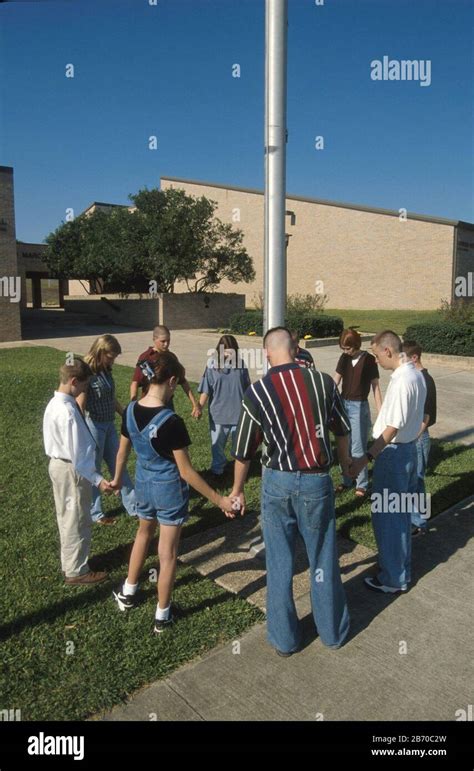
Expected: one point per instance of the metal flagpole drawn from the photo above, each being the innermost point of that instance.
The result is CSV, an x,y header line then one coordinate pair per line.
x,y
276,23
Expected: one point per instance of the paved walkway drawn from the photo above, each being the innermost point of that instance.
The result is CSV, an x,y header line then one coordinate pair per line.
x,y
371,677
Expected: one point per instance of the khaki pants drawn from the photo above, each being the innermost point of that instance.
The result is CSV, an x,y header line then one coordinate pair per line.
x,y
72,498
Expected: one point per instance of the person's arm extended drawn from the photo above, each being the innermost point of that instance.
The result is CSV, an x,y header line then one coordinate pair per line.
x,y
337,378
241,470
195,480
203,399
375,383
121,461
196,411
118,408
357,464
342,444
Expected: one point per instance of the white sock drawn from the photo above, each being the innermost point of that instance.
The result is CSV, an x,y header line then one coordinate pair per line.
x,y
162,614
129,588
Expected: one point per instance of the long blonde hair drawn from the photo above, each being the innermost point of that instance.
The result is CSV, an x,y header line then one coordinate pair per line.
x,y
103,344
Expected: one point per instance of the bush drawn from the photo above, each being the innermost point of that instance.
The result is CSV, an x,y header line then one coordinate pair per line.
x,y
456,339
318,325
306,304
458,312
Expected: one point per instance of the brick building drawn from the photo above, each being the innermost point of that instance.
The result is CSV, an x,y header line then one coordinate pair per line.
x,y
366,258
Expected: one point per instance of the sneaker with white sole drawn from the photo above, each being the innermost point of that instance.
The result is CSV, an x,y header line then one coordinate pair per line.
x,y
372,582
124,601
162,625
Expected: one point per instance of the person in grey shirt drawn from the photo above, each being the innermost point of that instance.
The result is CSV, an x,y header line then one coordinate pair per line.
x,y
223,384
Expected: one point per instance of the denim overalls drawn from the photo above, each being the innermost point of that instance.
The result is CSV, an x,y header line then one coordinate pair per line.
x,y
159,490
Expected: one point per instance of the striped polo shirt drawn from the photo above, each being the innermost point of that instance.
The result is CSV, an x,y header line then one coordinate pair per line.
x,y
291,410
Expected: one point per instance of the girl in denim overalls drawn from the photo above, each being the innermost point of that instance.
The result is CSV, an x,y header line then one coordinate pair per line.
x,y
161,481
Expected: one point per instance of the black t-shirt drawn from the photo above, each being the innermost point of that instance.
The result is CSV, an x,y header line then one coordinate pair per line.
x,y
430,401
172,435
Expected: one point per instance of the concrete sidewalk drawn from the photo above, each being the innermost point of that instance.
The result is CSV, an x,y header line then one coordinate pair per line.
x,y
371,677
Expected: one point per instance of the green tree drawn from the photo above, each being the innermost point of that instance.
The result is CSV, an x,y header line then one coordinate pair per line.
x,y
169,237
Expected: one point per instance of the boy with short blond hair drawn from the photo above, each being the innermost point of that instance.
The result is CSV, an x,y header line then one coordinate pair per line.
x,y
71,449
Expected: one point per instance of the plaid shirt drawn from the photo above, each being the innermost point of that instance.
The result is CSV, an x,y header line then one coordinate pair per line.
x,y
291,409
100,403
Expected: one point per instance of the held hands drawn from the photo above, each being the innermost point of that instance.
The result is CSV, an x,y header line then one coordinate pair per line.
x,y
110,487
356,465
197,412
233,505
115,486
346,466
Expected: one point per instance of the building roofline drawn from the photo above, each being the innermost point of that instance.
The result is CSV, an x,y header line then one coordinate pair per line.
x,y
102,203
7,169
323,202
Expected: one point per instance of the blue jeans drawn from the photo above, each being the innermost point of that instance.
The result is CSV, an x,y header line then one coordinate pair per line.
x,y
422,445
394,472
293,502
107,442
359,418
219,436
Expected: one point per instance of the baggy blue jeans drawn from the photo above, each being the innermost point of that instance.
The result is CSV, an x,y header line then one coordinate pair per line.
x,y
107,443
294,502
219,434
394,472
422,445
359,418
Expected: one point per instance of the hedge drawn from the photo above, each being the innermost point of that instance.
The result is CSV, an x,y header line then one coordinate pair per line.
x,y
455,339
319,325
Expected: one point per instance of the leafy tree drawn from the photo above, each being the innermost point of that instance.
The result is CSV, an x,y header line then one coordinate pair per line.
x,y
169,237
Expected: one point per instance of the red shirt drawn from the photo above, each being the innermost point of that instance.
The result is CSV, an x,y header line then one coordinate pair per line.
x,y
138,376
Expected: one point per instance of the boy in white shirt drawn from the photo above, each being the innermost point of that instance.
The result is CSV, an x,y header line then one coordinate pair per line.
x,y
71,448
394,483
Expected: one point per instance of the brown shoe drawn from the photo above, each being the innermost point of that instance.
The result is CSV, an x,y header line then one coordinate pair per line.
x,y
106,521
88,578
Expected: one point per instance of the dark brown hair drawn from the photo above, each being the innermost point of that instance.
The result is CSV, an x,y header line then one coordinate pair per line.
x,y
411,348
165,365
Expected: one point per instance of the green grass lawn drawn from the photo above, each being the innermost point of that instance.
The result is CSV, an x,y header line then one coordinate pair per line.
x,y
375,321
112,654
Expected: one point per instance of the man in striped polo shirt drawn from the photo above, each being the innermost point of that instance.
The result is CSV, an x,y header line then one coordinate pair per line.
x,y
291,411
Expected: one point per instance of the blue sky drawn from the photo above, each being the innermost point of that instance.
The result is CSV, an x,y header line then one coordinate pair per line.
x,y
166,70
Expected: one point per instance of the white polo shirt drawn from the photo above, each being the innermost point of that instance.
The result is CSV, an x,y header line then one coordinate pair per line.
x,y
403,405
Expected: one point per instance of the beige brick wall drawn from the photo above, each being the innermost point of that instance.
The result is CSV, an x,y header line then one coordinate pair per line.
x,y
10,323
364,259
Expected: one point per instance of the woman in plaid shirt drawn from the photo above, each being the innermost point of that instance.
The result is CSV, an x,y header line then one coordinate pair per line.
x,y
100,405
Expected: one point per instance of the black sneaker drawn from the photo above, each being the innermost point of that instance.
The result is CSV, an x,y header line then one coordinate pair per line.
x,y
160,626
124,601
372,582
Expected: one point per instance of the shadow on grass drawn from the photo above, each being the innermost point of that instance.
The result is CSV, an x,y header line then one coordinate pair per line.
x,y
82,597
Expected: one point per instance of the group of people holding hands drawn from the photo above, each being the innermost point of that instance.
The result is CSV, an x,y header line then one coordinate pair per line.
x,y
289,413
